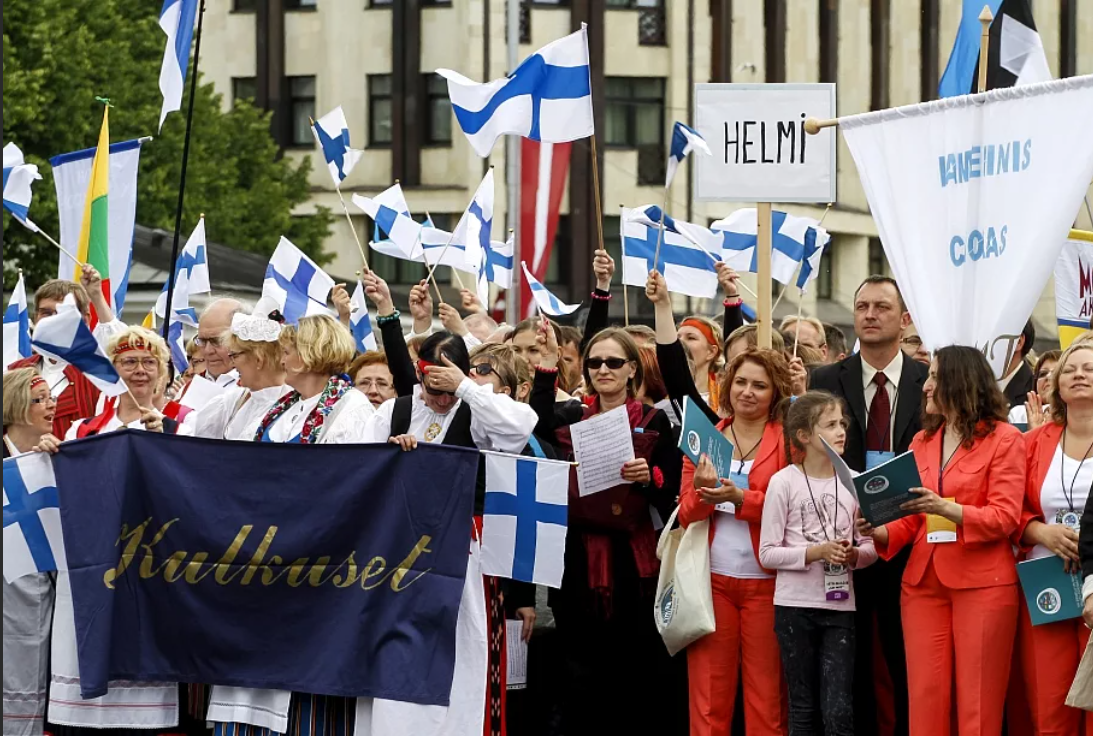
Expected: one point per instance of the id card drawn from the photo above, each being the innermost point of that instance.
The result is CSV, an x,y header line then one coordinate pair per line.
x,y
940,530
740,480
1070,519
836,582
873,458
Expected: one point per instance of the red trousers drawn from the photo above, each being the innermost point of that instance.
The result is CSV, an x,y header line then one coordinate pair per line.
x,y
1049,658
966,632
743,642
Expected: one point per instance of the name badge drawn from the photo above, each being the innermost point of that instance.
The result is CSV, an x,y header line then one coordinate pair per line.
x,y
740,480
1069,519
940,530
836,582
873,458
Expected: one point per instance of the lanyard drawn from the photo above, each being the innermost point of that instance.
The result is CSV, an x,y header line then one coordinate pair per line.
x,y
819,516
744,457
944,464
1062,478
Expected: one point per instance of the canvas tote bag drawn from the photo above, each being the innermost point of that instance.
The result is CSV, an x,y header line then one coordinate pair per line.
x,y
683,606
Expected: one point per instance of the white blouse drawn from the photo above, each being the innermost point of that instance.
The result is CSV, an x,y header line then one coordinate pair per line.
x,y
731,552
236,413
1053,497
345,425
498,422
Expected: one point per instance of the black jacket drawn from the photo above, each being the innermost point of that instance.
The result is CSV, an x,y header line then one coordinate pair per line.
x,y
1017,389
845,379
1085,538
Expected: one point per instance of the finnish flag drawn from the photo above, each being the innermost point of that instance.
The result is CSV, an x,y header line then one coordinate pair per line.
x,y
410,240
548,98
547,302
475,226
66,338
688,268
525,519
191,277
816,242
332,134
685,139
496,267
176,18
17,325
360,324
295,283
393,198
32,517
18,177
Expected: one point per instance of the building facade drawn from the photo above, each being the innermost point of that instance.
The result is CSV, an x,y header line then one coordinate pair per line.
x,y
376,58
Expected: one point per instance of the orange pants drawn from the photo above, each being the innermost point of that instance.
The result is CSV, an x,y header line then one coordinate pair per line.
x,y
744,641
968,632
1049,658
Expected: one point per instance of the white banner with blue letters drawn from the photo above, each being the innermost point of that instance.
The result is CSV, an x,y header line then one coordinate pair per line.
x,y
973,197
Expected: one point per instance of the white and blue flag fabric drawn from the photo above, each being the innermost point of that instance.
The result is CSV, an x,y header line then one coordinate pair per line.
x,y
176,18
685,140
688,268
548,303
411,240
191,277
296,283
18,178
548,98
525,519
816,242
360,324
475,226
66,338
33,541
332,134
17,325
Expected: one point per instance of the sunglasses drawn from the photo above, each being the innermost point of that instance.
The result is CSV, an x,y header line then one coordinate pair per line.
x,y
594,364
483,369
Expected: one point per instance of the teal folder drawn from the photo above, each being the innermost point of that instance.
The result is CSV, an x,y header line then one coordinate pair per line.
x,y
1052,593
698,437
882,490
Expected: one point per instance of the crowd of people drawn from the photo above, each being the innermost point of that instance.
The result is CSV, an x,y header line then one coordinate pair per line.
x,y
824,624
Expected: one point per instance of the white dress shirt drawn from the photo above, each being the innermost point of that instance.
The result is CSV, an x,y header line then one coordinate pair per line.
x,y
893,372
236,413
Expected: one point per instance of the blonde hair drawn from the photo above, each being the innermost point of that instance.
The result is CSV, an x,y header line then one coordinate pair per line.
x,y
502,358
267,353
750,334
58,289
1058,406
792,319
17,395
324,344
153,343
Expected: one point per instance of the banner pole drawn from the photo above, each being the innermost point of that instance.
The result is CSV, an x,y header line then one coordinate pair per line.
x,y
599,206
352,229
985,18
764,312
660,232
625,290
169,308
425,258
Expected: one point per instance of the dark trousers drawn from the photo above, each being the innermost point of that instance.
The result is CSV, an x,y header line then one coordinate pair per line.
x,y
818,661
877,591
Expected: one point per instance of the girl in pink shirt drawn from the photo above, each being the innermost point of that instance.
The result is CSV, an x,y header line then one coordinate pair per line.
x,y
808,536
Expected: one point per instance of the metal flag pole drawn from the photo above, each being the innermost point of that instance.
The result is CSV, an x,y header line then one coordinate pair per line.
x,y
182,178
513,146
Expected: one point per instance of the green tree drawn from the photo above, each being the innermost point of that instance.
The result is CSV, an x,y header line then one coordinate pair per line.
x,y
60,54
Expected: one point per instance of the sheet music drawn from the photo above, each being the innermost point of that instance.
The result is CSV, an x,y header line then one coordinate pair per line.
x,y
518,655
602,445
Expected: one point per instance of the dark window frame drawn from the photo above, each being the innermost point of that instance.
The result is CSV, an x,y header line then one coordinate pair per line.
x,y
373,98
880,36
1068,38
825,279
292,101
244,6
298,6
429,136
829,41
774,44
236,82
929,49
877,260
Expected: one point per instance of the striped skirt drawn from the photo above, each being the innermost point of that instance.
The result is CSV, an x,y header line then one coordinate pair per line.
x,y
308,715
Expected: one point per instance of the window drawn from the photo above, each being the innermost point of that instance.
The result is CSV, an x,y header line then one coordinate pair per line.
x,y
556,273
301,4
878,264
829,40
928,43
244,6
302,109
880,35
438,120
244,88
379,110
825,288
635,119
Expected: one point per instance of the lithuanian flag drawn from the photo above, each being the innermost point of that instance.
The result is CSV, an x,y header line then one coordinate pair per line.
x,y
94,247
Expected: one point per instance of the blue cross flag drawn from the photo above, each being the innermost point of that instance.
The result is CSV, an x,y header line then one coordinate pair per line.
x,y
66,338
474,227
360,324
685,139
191,277
298,286
548,304
332,134
32,517
18,176
548,98
524,524
688,268
17,325
407,239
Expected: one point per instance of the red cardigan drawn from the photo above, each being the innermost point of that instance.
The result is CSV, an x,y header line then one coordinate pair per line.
x,y
770,458
988,480
1040,446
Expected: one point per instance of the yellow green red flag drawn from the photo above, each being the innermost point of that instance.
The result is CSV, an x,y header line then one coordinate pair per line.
x,y
94,247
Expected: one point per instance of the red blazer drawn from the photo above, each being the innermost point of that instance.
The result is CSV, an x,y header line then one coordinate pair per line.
x,y
1040,446
988,480
769,459
77,401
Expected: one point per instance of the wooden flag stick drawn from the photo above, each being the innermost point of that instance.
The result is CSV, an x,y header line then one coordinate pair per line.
x,y
425,258
622,266
57,245
764,314
353,229
985,18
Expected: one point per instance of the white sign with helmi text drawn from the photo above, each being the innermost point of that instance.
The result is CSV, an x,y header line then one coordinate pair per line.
x,y
761,152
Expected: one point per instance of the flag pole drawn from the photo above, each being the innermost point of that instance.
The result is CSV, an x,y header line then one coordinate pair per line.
x,y
425,258
625,291
182,179
660,232
764,313
352,228
596,195
985,18
52,242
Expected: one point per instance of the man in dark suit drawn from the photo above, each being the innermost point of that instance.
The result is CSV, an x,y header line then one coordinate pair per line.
x,y
883,389
1019,380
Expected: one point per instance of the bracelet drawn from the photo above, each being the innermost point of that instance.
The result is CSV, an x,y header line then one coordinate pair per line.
x,y
602,297
549,371
388,319
733,301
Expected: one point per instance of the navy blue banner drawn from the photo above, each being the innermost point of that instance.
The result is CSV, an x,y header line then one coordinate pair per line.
x,y
326,569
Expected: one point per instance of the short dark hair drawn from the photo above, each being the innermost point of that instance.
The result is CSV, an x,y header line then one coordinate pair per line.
x,y
880,279
1029,333
569,334
450,346
836,340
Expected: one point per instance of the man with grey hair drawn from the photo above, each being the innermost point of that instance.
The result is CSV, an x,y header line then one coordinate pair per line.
x,y
213,325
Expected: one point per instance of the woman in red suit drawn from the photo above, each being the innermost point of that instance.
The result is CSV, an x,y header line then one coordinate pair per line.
x,y
752,393
1060,473
960,596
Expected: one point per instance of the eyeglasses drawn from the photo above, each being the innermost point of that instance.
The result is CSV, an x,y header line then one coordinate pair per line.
x,y
212,342
234,355
483,369
148,364
594,364
381,384
914,341
43,400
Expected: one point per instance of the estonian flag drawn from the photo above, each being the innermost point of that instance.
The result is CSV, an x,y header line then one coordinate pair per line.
x,y
1015,55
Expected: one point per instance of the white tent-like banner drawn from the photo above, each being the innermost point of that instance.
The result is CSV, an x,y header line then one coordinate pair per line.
x,y
973,198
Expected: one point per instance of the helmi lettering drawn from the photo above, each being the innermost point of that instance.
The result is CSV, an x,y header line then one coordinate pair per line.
x,y
765,141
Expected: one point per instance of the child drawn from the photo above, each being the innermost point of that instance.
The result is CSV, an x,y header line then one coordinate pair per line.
x,y
808,520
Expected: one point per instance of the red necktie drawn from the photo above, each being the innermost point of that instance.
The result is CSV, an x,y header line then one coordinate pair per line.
x,y
880,417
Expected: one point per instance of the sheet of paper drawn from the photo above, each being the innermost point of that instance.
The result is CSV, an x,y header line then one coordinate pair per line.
x,y
842,470
518,655
200,392
602,445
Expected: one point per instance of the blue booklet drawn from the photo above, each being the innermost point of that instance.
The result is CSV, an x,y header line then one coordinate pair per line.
x,y
1052,593
698,437
883,489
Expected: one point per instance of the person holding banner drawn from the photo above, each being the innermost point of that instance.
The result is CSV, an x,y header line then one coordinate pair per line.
x,y
1060,476
960,597
28,600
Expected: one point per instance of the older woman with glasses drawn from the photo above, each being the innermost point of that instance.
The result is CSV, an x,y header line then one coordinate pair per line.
x,y
28,601
373,377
